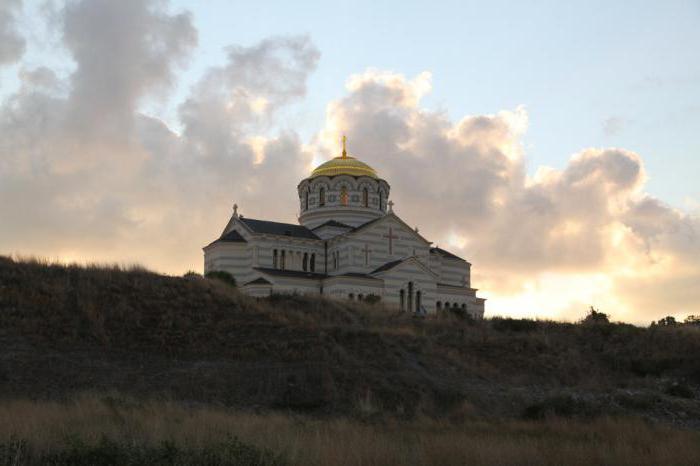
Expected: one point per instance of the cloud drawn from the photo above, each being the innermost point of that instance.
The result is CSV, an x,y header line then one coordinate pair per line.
x,y
85,175
124,51
465,182
12,45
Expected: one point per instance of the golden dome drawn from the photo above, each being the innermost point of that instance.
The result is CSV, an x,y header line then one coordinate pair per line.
x,y
344,165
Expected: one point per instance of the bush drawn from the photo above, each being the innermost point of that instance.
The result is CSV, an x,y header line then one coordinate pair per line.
x,y
513,325
372,299
680,390
191,275
221,276
668,321
564,406
692,320
596,317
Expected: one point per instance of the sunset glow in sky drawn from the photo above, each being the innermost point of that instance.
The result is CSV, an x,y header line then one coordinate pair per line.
x,y
555,146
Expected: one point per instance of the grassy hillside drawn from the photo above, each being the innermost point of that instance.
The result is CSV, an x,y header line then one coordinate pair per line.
x,y
122,432
69,329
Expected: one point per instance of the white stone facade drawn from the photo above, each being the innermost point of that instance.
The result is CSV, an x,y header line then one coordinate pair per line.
x,y
349,245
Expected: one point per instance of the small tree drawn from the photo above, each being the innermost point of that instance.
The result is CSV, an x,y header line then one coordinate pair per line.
x,y
222,276
596,317
692,320
668,321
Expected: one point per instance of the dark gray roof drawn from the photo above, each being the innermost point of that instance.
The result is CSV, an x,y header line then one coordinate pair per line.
x,y
233,236
367,223
356,275
445,254
453,286
291,273
277,228
333,223
258,281
387,266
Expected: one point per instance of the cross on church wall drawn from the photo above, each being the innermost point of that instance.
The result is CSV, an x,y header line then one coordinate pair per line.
x,y
391,237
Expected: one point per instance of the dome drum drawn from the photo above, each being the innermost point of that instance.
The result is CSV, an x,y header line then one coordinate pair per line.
x,y
343,189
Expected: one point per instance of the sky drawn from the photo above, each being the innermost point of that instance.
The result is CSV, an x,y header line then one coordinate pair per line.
x,y
552,144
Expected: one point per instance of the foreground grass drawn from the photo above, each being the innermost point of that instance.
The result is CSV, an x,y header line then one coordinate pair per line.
x,y
112,430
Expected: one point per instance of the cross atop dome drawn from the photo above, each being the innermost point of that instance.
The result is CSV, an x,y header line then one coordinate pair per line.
x,y
344,165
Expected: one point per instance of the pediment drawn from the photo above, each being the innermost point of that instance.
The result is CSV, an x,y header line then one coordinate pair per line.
x,y
410,262
396,220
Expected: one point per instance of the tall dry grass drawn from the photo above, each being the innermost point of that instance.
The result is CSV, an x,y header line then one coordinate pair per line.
x,y
341,441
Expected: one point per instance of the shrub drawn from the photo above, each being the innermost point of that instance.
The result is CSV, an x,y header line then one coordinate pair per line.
x,y
692,320
680,390
668,321
513,325
191,275
594,316
372,299
564,406
222,276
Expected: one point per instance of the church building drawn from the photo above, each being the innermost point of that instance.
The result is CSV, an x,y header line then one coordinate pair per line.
x,y
349,244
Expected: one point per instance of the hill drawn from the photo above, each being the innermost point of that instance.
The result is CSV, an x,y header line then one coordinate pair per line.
x,y
65,330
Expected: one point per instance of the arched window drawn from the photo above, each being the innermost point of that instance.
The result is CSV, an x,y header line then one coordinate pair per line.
x,y
359,297
418,295
438,305
351,296
282,259
447,305
274,258
344,195
410,296
322,197
365,197
402,299
306,261
464,307
306,200
381,200
313,262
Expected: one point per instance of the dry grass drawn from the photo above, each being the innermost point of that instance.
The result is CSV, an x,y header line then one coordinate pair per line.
x,y
69,328
338,441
